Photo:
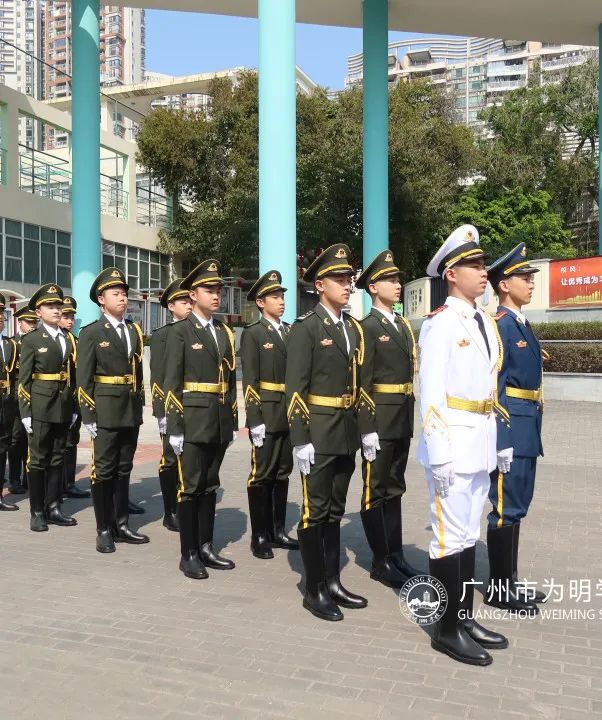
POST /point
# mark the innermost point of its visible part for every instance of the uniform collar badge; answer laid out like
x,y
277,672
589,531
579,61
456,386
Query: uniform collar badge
x,y
463,343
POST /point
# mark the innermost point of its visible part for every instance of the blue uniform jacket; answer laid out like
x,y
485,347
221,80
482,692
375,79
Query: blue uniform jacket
x,y
522,367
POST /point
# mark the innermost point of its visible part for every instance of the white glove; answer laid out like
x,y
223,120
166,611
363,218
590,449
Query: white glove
x,y
177,443
305,457
27,425
504,460
370,445
163,425
257,435
443,477
92,430
73,420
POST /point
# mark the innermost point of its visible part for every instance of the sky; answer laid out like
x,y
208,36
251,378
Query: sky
x,y
179,43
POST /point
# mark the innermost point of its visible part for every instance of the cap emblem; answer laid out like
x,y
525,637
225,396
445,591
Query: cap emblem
x,y
52,290
115,273
341,253
212,268
273,277
388,257
523,252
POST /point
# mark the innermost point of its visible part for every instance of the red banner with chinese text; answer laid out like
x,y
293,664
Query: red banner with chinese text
x,y
576,283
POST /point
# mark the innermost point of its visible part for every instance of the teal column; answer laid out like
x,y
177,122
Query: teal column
x,y
376,129
85,143
277,145
600,139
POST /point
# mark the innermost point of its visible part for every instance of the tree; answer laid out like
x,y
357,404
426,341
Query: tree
x,y
515,216
212,159
544,137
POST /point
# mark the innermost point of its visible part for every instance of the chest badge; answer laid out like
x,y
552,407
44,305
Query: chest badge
x,y
463,343
384,338
268,346
104,344
197,346
43,349
326,342
522,344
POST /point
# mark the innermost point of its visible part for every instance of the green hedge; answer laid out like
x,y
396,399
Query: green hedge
x,y
568,330
573,357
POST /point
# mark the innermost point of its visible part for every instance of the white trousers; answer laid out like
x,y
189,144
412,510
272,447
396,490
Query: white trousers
x,y
456,519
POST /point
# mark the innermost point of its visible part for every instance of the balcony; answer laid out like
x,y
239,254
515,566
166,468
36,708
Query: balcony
x,y
499,69
505,85
562,62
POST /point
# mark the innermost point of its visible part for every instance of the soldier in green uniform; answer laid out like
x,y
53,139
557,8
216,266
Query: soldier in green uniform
x,y
111,399
179,304
386,419
27,321
70,489
202,415
324,356
263,358
46,387
8,400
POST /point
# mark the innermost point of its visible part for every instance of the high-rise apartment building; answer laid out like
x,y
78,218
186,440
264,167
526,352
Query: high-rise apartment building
x,y
478,72
20,42
122,54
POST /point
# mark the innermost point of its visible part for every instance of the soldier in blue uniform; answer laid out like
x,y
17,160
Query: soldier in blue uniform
x,y
518,429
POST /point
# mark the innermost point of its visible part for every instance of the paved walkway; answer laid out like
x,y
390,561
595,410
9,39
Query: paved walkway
x,y
87,637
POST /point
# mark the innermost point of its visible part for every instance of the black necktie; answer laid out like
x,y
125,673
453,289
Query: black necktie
x,y
211,335
57,340
122,331
478,317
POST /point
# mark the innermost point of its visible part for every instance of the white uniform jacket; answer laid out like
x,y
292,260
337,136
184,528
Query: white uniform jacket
x,y
454,362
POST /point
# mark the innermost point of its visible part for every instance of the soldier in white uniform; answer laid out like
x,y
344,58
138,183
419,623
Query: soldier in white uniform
x,y
459,354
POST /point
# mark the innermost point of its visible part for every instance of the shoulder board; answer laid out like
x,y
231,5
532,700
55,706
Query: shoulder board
x,y
441,308
163,328
256,322
286,324
301,318
500,315
84,327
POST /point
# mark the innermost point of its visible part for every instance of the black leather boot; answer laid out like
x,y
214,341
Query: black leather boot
x,y
383,568
258,509
54,514
188,522
317,599
168,482
531,595
449,635
14,470
134,509
206,521
6,506
332,558
71,489
36,500
501,589
104,536
393,525
121,529
485,638
279,498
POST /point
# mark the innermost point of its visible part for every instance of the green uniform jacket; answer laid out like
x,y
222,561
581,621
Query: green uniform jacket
x,y
389,359
48,401
318,364
158,354
263,358
202,417
8,391
101,352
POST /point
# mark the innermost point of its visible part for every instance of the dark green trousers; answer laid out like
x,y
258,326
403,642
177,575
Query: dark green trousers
x,y
384,478
325,489
273,461
47,445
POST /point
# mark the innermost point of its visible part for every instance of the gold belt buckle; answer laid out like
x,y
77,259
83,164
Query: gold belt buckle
x,y
128,379
347,401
